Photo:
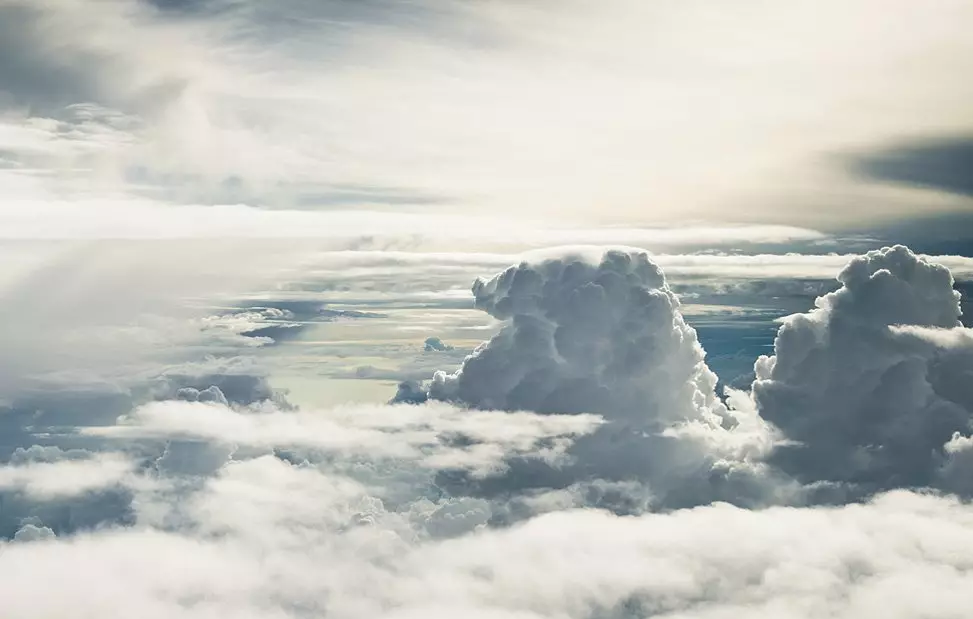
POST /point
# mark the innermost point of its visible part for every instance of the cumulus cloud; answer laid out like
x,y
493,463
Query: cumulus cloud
x,y
600,337
229,380
410,392
601,332
956,474
435,344
32,533
574,507
872,383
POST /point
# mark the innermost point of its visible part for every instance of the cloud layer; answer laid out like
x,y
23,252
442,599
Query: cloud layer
x,y
645,493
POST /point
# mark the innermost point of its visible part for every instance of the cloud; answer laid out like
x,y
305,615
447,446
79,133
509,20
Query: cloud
x,y
940,163
784,266
956,474
596,337
951,339
33,533
210,394
236,102
870,385
436,436
410,392
264,538
66,478
236,380
435,344
601,332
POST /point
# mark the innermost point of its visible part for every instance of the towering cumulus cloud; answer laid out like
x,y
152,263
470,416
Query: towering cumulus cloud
x,y
602,337
603,334
866,385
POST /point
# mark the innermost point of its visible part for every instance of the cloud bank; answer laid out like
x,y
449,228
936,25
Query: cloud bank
x,y
645,493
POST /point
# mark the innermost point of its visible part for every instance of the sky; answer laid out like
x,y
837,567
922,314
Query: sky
x,y
502,308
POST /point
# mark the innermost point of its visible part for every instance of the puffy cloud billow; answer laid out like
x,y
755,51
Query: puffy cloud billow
x,y
871,384
579,464
867,391
601,332
602,336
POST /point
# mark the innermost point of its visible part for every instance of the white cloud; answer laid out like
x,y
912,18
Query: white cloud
x,y
440,269
954,338
957,472
51,217
66,478
423,435
112,311
266,539
796,266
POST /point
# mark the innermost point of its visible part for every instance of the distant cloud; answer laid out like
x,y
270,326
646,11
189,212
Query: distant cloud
x,y
66,478
435,344
434,436
938,163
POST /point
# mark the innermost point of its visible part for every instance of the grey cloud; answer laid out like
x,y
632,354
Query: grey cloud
x,y
304,310
941,163
33,533
46,453
39,417
210,394
41,491
410,392
865,405
856,403
584,337
184,458
32,73
435,344
236,380
52,55
604,334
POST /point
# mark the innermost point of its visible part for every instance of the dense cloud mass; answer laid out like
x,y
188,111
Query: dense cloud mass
x,y
605,338
601,332
865,398
579,464
868,391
